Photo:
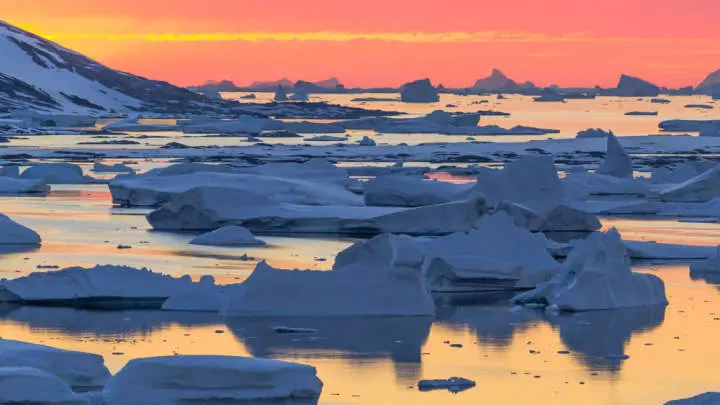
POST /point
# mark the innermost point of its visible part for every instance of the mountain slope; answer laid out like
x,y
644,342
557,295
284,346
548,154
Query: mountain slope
x,y
38,74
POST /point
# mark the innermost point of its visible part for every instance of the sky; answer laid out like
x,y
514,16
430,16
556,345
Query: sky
x,y
368,43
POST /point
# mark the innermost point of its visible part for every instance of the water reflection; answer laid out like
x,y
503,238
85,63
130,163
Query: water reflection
x,y
488,316
598,338
74,322
357,339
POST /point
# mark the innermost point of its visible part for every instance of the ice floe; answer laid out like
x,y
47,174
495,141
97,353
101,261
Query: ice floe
x,y
701,188
27,385
81,371
381,277
212,379
708,398
597,275
153,189
12,233
11,185
56,173
411,191
593,133
228,236
108,287
617,163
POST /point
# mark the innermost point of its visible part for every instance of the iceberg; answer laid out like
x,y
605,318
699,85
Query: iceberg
x,y
208,208
582,186
11,185
367,141
116,168
326,138
12,233
596,276
496,255
106,287
419,91
243,124
27,385
452,384
382,277
701,188
530,179
56,173
212,380
410,191
617,163
708,398
592,133
151,189
81,371
228,236
630,86
320,170
683,172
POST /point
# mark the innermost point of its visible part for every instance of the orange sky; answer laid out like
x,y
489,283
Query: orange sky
x,y
387,42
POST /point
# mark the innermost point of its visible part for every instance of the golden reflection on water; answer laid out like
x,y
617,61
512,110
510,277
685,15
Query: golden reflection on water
x,y
673,350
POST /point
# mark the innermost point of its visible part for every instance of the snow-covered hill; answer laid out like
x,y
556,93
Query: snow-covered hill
x,y
40,75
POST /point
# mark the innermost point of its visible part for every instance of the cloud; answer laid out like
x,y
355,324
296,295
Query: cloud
x,y
332,36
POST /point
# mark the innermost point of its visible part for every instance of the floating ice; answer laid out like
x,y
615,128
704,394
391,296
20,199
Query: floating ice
x,y
212,379
452,384
11,185
56,173
617,163
116,168
12,233
409,191
367,141
99,287
228,236
419,91
593,133
597,276
701,188
82,371
207,208
708,398
381,277
27,385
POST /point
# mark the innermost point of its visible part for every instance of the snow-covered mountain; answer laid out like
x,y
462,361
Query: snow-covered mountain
x,y
38,74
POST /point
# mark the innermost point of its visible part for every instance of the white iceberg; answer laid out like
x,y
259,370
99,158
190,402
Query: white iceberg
x,y
593,133
452,384
505,257
529,179
550,217
99,287
208,208
581,186
228,236
116,168
410,191
682,172
9,171
383,277
132,124
153,190
12,185
81,371
708,398
326,138
27,385
596,276
709,265
243,124
367,141
617,163
176,380
701,188
56,173
320,170
12,233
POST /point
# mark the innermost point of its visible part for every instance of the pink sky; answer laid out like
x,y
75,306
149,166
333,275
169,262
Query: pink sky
x,y
386,43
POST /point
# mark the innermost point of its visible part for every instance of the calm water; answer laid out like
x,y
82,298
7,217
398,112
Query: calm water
x,y
378,360
569,117
672,350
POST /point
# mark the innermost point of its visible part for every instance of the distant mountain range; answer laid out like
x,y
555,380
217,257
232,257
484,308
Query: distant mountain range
x,y
37,74
497,82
